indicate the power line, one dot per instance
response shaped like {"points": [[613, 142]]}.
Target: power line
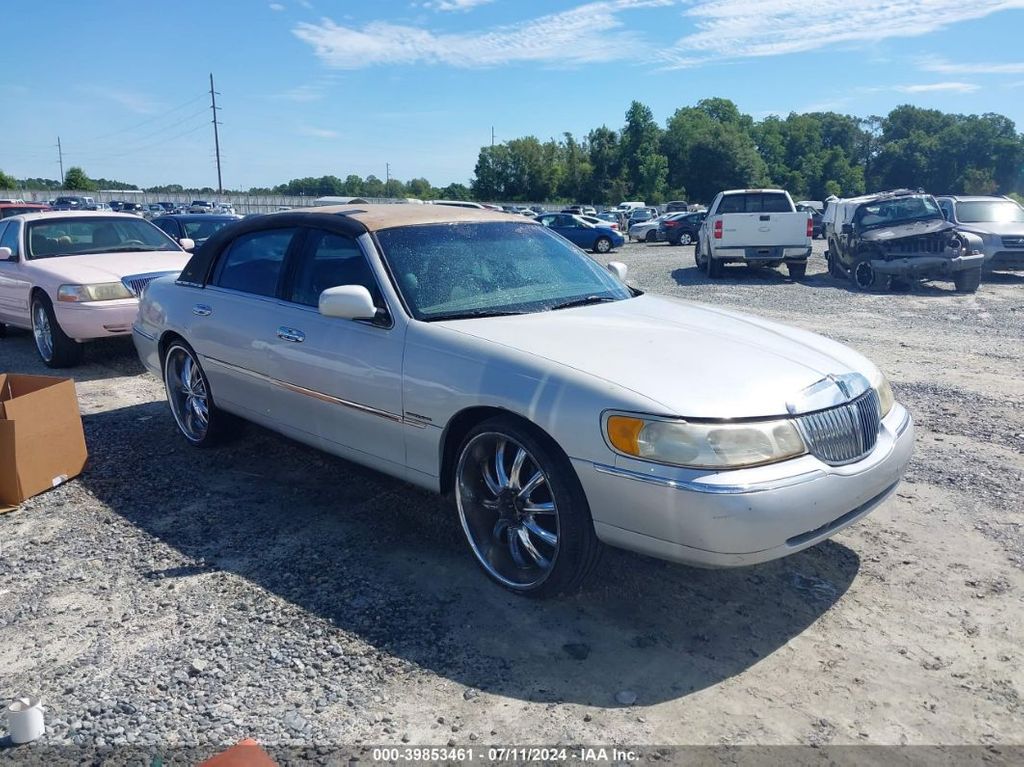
{"points": [[148, 120]]}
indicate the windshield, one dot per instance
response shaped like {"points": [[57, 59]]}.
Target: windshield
{"points": [[200, 231], [453, 271], [82, 236], [996, 211], [900, 210]]}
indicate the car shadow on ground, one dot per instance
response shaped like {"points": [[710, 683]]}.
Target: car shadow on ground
{"points": [[386, 562], [103, 359]]}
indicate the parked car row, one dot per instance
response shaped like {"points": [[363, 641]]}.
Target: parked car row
{"points": [[875, 241]]}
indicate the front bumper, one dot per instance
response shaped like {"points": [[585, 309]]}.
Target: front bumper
{"points": [[921, 265], [96, 319], [148, 348], [746, 516]]}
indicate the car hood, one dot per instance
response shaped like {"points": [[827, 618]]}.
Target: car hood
{"points": [[1014, 228], [883, 233], [688, 359], [108, 267]]}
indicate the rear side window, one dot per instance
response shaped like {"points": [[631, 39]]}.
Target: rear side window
{"points": [[755, 202], [9, 237], [253, 263]]}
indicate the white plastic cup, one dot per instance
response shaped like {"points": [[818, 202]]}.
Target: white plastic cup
{"points": [[25, 720]]}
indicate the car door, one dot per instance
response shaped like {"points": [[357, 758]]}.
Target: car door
{"points": [[343, 378], [235, 321], [15, 286]]}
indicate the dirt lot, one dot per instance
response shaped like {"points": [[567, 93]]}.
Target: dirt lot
{"points": [[175, 596]]}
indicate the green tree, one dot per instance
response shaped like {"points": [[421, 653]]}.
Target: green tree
{"points": [[7, 182], [75, 179], [644, 167]]}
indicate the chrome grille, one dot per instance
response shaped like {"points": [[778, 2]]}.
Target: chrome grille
{"points": [[136, 283], [845, 433], [1013, 242]]}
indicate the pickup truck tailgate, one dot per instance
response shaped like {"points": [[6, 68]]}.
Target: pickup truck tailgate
{"points": [[751, 230]]}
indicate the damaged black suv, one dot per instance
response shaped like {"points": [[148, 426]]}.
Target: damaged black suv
{"points": [[896, 236]]}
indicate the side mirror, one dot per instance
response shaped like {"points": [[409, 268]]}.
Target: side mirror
{"points": [[619, 269], [6, 254], [347, 302], [847, 228], [187, 243]]}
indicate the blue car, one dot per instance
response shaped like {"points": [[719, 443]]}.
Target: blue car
{"points": [[600, 239]]}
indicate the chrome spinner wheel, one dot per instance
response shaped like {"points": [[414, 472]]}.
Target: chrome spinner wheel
{"points": [[187, 393], [41, 331], [508, 511]]}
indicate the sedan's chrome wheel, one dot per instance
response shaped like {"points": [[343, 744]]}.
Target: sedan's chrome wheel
{"points": [[685, 239], [507, 509], [41, 331], [187, 393]]}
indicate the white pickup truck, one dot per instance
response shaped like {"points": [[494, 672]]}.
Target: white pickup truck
{"points": [[754, 226]]}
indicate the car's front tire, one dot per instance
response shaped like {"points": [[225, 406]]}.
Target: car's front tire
{"points": [[967, 281], [523, 510], [55, 348], [602, 245], [190, 398]]}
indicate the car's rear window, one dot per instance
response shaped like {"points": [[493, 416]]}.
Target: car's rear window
{"points": [[755, 202]]}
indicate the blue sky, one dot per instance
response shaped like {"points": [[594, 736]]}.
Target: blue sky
{"points": [[315, 87]]}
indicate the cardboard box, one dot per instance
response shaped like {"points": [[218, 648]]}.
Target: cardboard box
{"points": [[42, 444]]}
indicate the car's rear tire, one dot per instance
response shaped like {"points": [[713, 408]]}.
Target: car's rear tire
{"points": [[713, 267], [523, 509], [685, 239], [797, 270], [54, 347], [602, 245], [190, 399], [967, 281]]}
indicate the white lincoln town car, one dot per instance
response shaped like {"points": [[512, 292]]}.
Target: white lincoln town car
{"points": [[481, 355]]}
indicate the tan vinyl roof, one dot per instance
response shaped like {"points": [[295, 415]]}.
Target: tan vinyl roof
{"points": [[376, 217]]}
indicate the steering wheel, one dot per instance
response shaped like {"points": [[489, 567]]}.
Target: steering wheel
{"points": [[140, 243]]}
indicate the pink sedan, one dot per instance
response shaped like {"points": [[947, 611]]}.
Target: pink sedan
{"points": [[76, 276]]}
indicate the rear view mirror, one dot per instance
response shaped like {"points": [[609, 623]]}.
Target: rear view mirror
{"points": [[187, 243], [6, 254], [348, 302], [619, 269]]}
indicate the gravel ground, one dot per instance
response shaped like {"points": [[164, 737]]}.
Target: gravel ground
{"points": [[174, 597]]}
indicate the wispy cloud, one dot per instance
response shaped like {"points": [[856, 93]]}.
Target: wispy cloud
{"points": [[943, 66], [302, 93], [454, 5], [576, 36], [731, 29], [314, 132], [276, 7], [955, 87], [133, 102]]}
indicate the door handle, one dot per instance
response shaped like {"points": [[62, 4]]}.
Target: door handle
{"points": [[291, 334], [202, 310]]}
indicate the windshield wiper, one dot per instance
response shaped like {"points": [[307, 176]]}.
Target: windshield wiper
{"points": [[583, 302], [470, 315]]}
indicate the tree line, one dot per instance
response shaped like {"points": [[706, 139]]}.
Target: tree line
{"points": [[701, 150], [713, 146]]}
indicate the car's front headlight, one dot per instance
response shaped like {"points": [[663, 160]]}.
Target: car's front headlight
{"points": [[103, 291], [704, 445]]}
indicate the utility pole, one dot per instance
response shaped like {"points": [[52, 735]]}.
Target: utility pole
{"points": [[60, 159], [492, 135], [216, 137], [387, 179]]}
